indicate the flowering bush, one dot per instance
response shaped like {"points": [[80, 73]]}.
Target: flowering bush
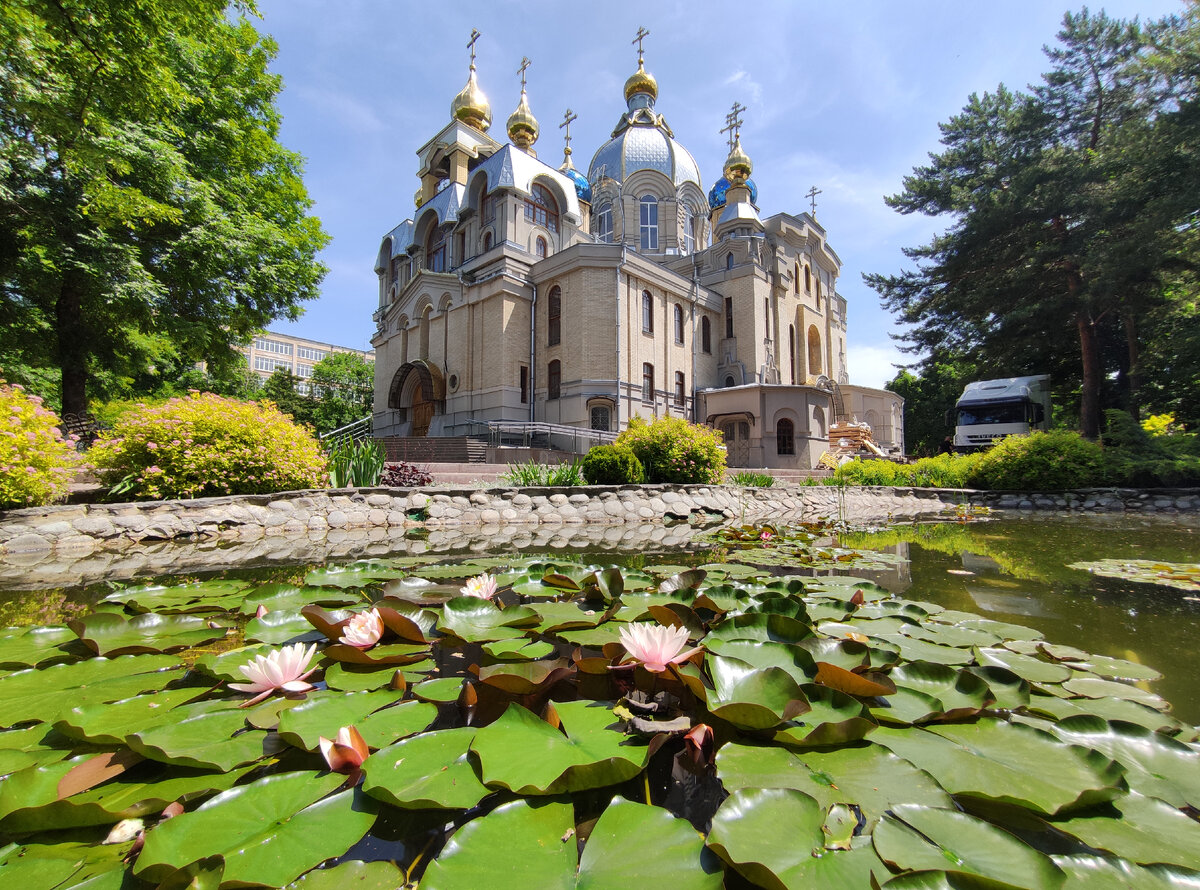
{"points": [[404, 475], [36, 460], [201, 445], [673, 450]]}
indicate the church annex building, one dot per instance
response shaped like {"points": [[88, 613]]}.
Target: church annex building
{"points": [[523, 292]]}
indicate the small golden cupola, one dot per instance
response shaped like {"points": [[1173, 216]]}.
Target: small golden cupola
{"points": [[738, 166], [471, 106], [523, 127], [641, 81]]}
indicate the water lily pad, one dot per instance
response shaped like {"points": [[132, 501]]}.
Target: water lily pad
{"points": [[429, 770], [1107, 873], [520, 649], [216, 737], [478, 620], [111, 635], [524, 753], [30, 646], [46, 694], [270, 831], [292, 598], [753, 698], [567, 616], [762, 627], [833, 718], [769, 835], [795, 661], [214, 595], [1108, 708], [1179, 575], [361, 677], [1148, 831], [991, 759], [279, 627], [356, 874], [870, 776], [1035, 670], [527, 677], [920, 838], [442, 689], [519, 845], [109, 723], [323, 713], [356, 574], [1094, 687]]}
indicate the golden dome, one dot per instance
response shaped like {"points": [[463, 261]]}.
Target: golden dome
{"points": [[738, 166], [641, 81], [471, 106], [523, 127]]}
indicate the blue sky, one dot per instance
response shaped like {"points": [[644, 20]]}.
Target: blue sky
{"points": [[844, 96]]}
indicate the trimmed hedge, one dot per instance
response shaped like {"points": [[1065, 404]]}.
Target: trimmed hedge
{"points": [[674, 451], [612, 465]]}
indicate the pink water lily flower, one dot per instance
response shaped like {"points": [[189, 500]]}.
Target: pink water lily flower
{"points": [[656, 646], [346, 753], [481, 586], [285, 669], [364, 630]]}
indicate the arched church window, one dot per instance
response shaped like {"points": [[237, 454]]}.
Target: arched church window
{"points": [[487, 242], [540, 248], [541, 209], [785, 441], [792, 349], [554, 309], [553, 379], [435, 250], [649, 211], [689, 231], [729, 316], [678, 324], [647, 312], [729, 381], [601, 417], [814, 351], [647, 382], [796, 279], [423, 334], [679, 389], [705, 336], [728, 262], [604, 223], [807, 277]]}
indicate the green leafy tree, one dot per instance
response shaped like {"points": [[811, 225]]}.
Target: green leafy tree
{"points": [[147, 209], [1054, 238], [282, 388], [343, 387], [927, 398]]}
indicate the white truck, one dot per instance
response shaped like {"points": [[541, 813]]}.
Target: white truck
{"points": [[992, 409]]}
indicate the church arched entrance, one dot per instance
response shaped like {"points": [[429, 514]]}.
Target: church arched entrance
{"points": [[418, 392]]}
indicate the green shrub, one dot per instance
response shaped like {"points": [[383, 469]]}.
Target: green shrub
{"points": [[36, 460], [202, 445], [556, 475], [753, 479], [357, 464], [674, 451], [943, 471], [1040, 462], [612, 465]]}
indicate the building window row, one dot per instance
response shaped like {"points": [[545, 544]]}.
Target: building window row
{"points": [[304, 370], [541, 209], [264, 345], [268, 364], [312, 355], [554, 317]]}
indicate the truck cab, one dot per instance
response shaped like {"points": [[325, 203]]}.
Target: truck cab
{"points": [[989, 410]]}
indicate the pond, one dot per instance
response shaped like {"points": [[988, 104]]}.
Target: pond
{"points": [[918, 706]]}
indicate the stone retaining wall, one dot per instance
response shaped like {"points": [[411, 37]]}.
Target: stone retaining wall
{"points": [[82, 529], [315, 515]]}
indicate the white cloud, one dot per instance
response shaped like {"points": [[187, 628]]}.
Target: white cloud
{"points": [[874, 365], [343, 108], [743, 80]]}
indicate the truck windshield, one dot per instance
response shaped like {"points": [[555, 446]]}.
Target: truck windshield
{"points": [[1008, 412]]}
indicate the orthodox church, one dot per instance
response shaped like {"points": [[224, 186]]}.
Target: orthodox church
{"points": [[522, 292]]}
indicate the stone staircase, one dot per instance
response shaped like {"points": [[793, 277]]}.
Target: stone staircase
{"points": [[435, 449], [465, 473]]}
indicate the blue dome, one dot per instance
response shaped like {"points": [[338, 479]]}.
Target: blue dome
{"points": [[583, 188], [716, 196]]}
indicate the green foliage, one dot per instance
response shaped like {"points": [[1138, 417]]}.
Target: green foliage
{"points": [[202, 445], [612, 465], [927, 398], [36, 461], [943, 471], [1040, 462], [753, 479], [343, 387], [355, 464], [674, 451], [1135, 458], [149, 217], [535, 474]]}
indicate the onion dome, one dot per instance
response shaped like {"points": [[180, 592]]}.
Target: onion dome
{"points": [[583, 188], [737, 166], [716, 195], [471, 106], [641, 81], [523, 127]]}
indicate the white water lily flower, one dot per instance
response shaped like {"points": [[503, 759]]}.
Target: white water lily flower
{"points": [[285, 669], [656, 646], [364, 630], [481, 586]]}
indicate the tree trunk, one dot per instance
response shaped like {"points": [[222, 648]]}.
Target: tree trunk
{"points": [[1089, 402], [72, 343], [1135, 367]]}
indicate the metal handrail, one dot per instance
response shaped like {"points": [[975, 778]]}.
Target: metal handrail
{"points": [[357, 430], [534, 434]]}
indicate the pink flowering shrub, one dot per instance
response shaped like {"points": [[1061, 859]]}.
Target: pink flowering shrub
{"points": [[36, 459], [201, 445]]}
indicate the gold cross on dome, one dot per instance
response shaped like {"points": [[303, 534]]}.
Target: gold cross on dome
{"points": [[811, 194], [566, 127], [733, 123], [475, 35], [642, 34], [525, 63]]}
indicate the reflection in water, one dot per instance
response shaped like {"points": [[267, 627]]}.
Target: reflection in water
{"points": [[1019, 573]]}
